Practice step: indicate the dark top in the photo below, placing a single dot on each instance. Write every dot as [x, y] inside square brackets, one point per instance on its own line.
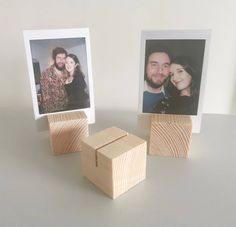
[77, 96]
[183, 105]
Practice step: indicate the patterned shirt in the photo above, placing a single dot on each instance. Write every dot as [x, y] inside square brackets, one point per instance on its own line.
[54, 97]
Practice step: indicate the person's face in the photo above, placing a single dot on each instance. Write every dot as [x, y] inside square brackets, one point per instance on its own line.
[158, 69]
[60, 61]
[179, 77]
[70, 65]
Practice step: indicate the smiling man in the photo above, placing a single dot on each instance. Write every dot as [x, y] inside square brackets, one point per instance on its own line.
[52, 81]
[157, 72]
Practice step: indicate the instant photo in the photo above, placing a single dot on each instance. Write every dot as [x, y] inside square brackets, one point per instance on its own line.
[59, 64]
[172, 72]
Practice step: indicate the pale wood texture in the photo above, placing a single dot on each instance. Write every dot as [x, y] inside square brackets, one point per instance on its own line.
[114, 160]
[66, 131]
[170, 135]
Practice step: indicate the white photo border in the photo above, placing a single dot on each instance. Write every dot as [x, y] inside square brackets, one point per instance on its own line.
[175, 35]
[30, 35]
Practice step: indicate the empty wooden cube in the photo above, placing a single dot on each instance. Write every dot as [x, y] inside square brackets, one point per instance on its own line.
[114, 160]
[170, 135]
[66, 131]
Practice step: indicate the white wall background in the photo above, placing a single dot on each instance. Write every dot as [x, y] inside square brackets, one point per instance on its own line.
[115, 28]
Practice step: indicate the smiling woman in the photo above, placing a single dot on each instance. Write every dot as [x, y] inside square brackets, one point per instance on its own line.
[183, 88]
[181, 79]
[75, 84]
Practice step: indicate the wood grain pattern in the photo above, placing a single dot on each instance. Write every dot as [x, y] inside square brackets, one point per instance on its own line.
[119, 165]
[170, 135]
[66, 131]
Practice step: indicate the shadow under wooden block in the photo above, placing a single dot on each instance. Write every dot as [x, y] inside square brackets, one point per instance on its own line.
[170, 135]
[66, 131]
[114, 160]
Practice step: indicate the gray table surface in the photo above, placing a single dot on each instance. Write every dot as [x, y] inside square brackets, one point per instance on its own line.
[40, 189]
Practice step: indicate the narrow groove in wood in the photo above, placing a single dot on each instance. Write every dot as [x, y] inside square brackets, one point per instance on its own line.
[96, 151]
[119, 171]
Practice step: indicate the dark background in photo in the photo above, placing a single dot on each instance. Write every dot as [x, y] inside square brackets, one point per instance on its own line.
[192, 49]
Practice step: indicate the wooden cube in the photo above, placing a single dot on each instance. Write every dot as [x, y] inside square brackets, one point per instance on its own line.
[170, 135]
[66, 131]
[114, 160]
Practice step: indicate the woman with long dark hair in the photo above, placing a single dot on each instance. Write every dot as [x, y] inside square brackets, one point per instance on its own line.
[183, 88]
[75, 84]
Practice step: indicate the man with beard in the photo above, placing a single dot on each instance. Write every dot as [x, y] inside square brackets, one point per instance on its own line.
[52, 81]
[157, 73]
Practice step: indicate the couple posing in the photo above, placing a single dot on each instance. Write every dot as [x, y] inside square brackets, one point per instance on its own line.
[63, 86]
[171, 85]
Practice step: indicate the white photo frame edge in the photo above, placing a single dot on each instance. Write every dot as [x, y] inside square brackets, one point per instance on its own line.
[58, 34]
[170, 35]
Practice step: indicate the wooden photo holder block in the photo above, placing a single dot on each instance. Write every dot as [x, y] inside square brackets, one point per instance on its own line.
[66, 131]
[170, 135]
[114, 160]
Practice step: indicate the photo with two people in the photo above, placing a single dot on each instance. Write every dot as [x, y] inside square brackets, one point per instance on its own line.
[172, 76]
[61, 85]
